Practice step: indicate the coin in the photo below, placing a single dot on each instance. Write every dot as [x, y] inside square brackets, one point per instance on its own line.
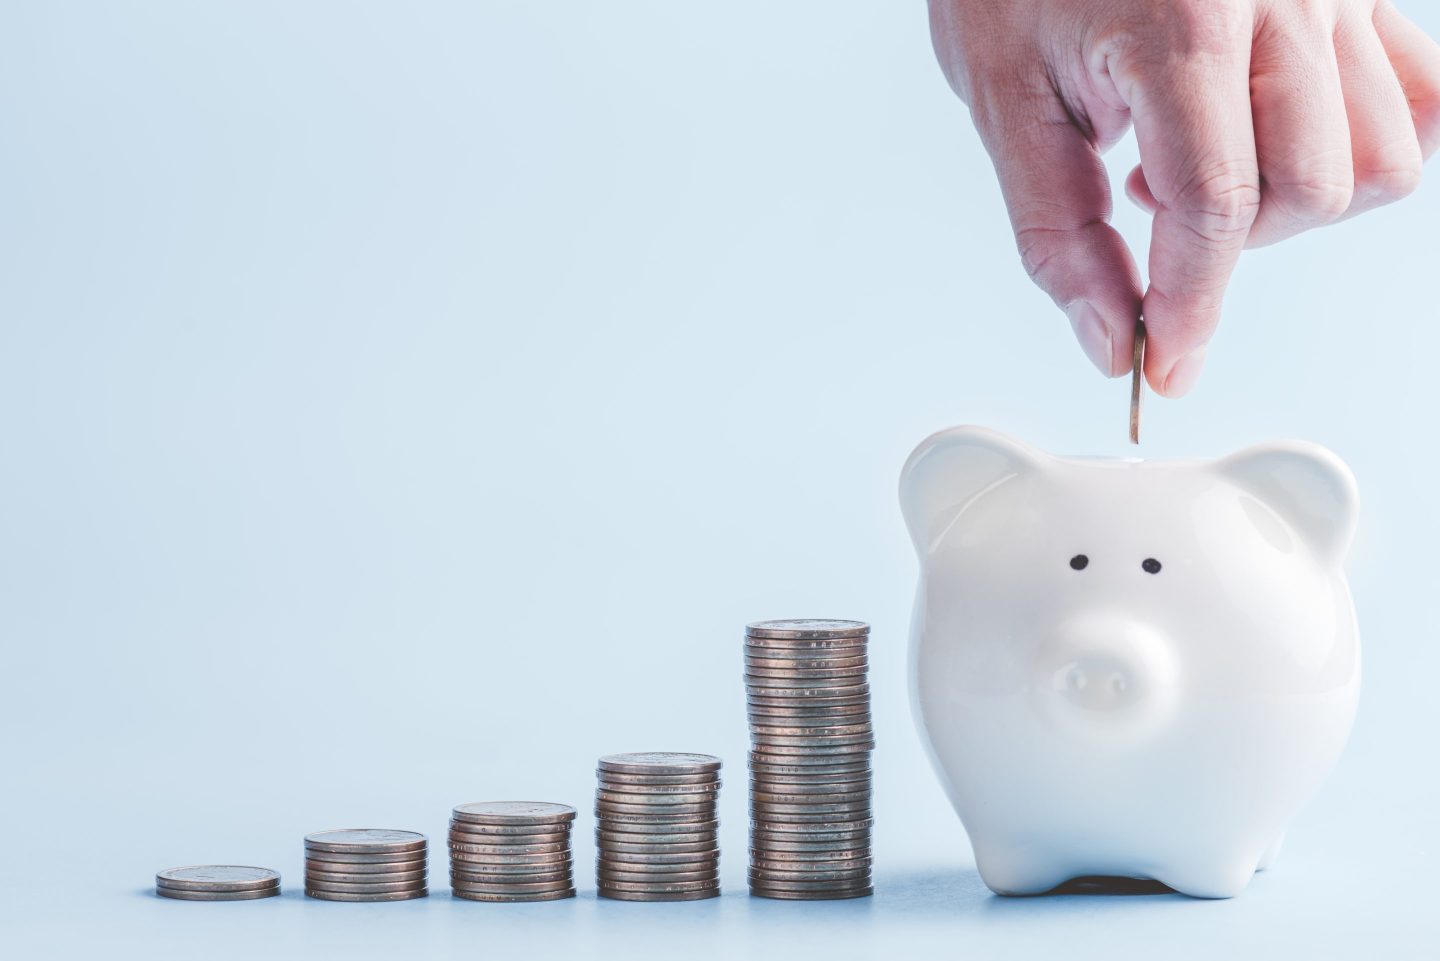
[702, 843]
[366, 868]
[806, 650]
[380, 857]
[510, 850]
[804, 790]
[512, 870]
[180, 894]
[781, 698]
[629, 824]
[649, 780]
[807, 662]
[459, 830]
[815, 728]
[608, 876]
[701, 791]
[781, 685]
[548, 857]
[825, 844]
[706, 809]
[468, 877]
[393, 878]
[615, 895]
[670, 821]
[501, 833]
[806, 628]
[469, 895]
[828, 676]
[824, 885]
[321, 895]
[538, 887]
[389, 887]
[764, 871]
[808, 801]
[779, 826]
[654, 800]
[513, 812]
[762, 891]
[1137, 379]
[760, 765]
[217, 877]
[364, 840]
[659, 762]
[661, 887]
[659, 853]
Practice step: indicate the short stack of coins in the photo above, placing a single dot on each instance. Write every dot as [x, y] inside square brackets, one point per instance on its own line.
[511, 851]
[217, 882]
[810, 741]
[365, 864]
[655, 827]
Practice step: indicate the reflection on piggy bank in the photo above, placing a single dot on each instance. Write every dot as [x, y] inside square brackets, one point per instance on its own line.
[1130, 668]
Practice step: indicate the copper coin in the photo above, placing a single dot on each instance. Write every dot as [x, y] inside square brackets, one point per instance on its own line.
[780, 825]
[513, 812]
[647, 887]
[611, 847]
[616, 895]
[539, 887]
[516, 871]
[365, 841]
[470, 895]
[365, 867]
[339, 857]
[659, 762]
[465, 877]
[668, 856]
[552, 857]
[676, 877]
[395, 877]
[501, 833]
[217, 877]
[511, 850]
[1137, 379]
[647, 791]
[629, 825]
[320, 895]
[760, 891]
[180, 894]
[652, 780]
[806, 628]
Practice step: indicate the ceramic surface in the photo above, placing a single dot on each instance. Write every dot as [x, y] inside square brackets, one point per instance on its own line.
[1124, 667]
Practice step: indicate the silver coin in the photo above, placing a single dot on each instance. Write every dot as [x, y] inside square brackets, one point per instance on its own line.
[217, 877]
[659, 762]
[805, 661]
[320, 895]
[828, 860]
[606, 808]
[819, 729]
[667, 856]
[767, 809]
[628, 825]
[674, 877]
[656, 780]
[340, 857]
[803, 713]
[396, 877]
[762, 766]
[675, 814]
[366, 867]
[513, 812]
[826, 752]
[469, 835]
[803, 676]
[781, 825]
[809, 741]
[832, 885]
[539, 887]
[708, 789]
[481, 844]
[513, 898]
[509, 850]
[826, 822]
[761, 891]
[180, 894]
[775, 649]
[516, 871]
[790, 789]
[692, 848]
[810, 800]
[549, 857]
[466, 877]
[759, 873]
[806, 628]
[818, 841]
[341, 887]
[520, 833]
[653, 800]
[783, 685]
[365, 841]
[660, 887]
[614, 895]
[810, 779]
[768, 697]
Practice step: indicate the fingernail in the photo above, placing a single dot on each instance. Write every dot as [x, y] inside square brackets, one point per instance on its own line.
[1093, 335]
[1185, 373]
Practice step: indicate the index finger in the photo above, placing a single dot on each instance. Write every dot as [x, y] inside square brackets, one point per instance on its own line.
[1197, 148]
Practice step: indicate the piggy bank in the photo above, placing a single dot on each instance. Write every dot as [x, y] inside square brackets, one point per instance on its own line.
[1124, 667]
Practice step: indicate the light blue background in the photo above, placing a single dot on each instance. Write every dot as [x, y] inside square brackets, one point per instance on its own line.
[405, 404]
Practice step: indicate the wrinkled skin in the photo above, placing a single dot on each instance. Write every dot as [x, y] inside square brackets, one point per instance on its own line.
[1256, 120]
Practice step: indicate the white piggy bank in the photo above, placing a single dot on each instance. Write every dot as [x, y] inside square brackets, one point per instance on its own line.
[1129, 668]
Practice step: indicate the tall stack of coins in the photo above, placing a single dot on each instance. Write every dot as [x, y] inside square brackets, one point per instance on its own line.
[511, 851]
[365, 864]
[810, 744]
[655, 827]
[217, 882]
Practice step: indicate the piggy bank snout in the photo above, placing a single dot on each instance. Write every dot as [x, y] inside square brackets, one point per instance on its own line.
[1106, 675]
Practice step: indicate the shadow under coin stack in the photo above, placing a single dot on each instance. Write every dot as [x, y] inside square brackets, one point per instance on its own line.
[365, 864]
[217, 882]
[810, 744]
[511, 851]
[655, 827]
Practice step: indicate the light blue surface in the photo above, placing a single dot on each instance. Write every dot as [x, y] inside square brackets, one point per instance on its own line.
[404, 404]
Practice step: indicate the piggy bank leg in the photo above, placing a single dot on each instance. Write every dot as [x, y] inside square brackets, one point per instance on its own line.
[1271, 853]
[1013, 870]
[1218, 875]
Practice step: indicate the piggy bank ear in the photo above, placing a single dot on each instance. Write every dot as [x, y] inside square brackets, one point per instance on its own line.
[1305, 484]
[949, 470]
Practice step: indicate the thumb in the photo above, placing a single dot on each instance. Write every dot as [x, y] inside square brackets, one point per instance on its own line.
[1056, 189]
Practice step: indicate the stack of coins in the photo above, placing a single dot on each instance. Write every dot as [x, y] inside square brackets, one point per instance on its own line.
[810, 744]
[365, 864]
[511, 851]
[217, 882]
[655, 827]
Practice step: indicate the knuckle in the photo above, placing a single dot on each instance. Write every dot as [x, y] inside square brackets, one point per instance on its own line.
[1183, 29]
[1318, 197]
[1388, 180]
[1038, 246]
[1220, 202]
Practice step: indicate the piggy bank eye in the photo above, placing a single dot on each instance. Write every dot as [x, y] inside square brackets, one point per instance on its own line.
[1150, 565]
[1079, 561]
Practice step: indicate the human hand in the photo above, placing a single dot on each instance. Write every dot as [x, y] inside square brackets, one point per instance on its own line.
[1256, 120]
